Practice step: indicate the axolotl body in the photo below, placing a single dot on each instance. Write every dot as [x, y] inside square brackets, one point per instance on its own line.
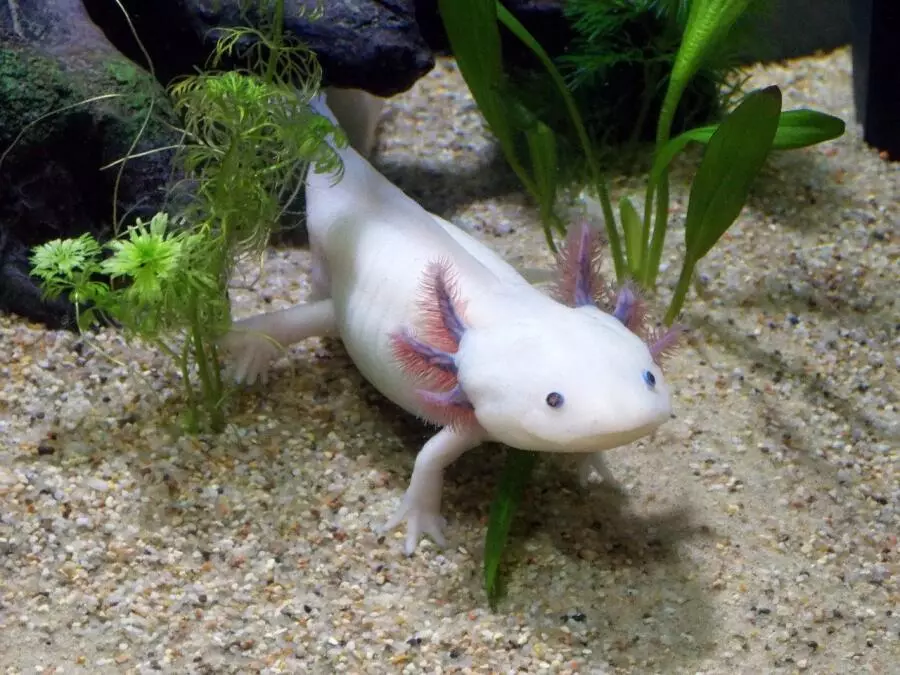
[445, 328]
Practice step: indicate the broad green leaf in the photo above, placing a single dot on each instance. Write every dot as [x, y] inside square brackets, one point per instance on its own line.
[474, 37]
[631, 225]
[709, 21]
[802, 128]
[516, 472]
[796, 129]
[541, 145]
[733, 157]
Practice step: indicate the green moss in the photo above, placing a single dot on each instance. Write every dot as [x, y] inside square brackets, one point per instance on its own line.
[138, 89]
[32, 85]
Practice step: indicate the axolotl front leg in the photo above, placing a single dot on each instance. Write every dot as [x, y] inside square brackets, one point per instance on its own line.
[432, 365]
[421, 505]
[254, 342]
[251, 341]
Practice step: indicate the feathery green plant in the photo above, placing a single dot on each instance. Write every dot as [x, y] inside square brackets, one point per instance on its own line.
[735, 151]
[156, 277]
[249, 137]
[615, 66]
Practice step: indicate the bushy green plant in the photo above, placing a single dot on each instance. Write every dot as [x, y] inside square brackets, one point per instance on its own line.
[615, 66]
[249, 137]
[735, 151]
[154, 281]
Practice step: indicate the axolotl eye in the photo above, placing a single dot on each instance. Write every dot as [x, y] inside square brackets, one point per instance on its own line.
[649, 378]
[555, 399]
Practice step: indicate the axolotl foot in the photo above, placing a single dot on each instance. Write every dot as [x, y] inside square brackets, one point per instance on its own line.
[595, 462]
[421, 505]
[255, 342]
[421, 509]
[252, 352]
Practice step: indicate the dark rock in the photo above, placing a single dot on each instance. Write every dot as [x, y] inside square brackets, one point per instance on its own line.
[52, 184]
[19, 294]
[373, 45]
[544, 19]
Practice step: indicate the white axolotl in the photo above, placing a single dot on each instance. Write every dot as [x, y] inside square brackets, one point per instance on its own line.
[446, 329]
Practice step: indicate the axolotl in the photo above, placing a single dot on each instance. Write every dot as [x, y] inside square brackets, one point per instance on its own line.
[449, 331]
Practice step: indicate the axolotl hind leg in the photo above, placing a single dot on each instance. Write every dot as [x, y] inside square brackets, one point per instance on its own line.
[256, 341]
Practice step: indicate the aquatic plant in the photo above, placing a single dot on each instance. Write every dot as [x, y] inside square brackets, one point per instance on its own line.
[249, 136]
[736, 149]
[615, 65]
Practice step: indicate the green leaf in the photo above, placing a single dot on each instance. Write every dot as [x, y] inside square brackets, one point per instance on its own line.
[158, 224]
[60, 259]
[474, 37]
[709, 21]
[516, 472]
[802, 128]
[542, 149]
[796, 129]
[708, 24]
[148, 258]
[734, 156]
[631, 225]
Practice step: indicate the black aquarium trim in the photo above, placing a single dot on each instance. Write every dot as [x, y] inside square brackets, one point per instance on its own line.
[876, 72]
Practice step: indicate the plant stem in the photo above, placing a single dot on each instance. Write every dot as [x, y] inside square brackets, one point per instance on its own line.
[211, 393]
[507, 18]
[183, 362]
[649, 78]
[663, 131]
[216, 372]
[651, 268]
[519, 170]
[681, 290]
[611, 231]
[648, 216]
[166, 349]
[277, 39]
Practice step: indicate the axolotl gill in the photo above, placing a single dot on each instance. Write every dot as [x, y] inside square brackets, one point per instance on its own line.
[449, 331]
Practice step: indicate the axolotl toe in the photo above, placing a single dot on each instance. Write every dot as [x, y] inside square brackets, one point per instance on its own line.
[446, 329]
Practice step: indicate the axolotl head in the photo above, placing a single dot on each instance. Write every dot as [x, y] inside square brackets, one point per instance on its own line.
[538, 373]
[576, 380]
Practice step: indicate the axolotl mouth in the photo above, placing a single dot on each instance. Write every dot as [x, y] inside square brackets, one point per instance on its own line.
[579, 443]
